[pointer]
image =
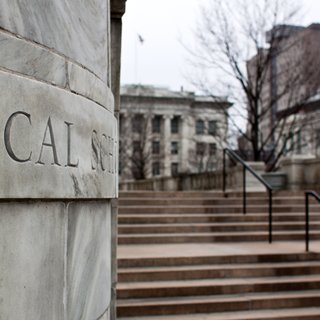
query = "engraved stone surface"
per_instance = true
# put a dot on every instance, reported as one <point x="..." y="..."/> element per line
<point x="77" y="29"/>
<point x="54" y="144"/>
<point x="32" y="251"/>
<point x="89" y="260"/>
<point x="32" y="60"/>
<point x="85" y="83"/>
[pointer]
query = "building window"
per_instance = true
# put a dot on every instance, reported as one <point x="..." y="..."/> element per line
<point x="121" y="120"/>
<point x="174" y="147"/>
<point x="211" y="166"/>
<point x="155" y="147"/>
<point x="120" y="158"/>
<point x="136" y="146"/>
<point x="175" y="124"/>
<point x="174" y="168"/>
<point x="284" y="141"/>
<point x="318" y="138"/>
<point x="212" y="127"/>
<point x="155" y="168"/>
<point x="200" y="127"/>
<point x="290" y="142"/>
<point x="156" y="124"/>
<point x="212" y="149"/>
<point x="200" y="148"/>
<point x="299" y="144"/>
<point x="137" y="122"/>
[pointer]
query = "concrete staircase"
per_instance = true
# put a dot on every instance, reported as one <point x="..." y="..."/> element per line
<point x="166" y="217"/>
<point x="194" y="255"/>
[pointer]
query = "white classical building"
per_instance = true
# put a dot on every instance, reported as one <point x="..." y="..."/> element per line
<point x="164" y="132"/>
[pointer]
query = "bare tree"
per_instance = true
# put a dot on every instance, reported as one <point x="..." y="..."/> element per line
<point x="207" y="153"/>
<point x="266" y="66"/>
<point x="140" y="149"/>
<point x="135" y="147"/>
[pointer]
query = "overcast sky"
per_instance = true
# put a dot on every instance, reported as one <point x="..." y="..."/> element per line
<point x="159" y="58"/>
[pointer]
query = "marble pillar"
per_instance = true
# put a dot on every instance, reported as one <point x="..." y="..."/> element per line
<point x="184" y="154"/>
<point x="167" y="144"/>
<point x="59" y="160"/>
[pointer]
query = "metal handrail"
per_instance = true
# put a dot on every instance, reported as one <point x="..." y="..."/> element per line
<point x="317" y="197"/>
<point x="245" y="166"/>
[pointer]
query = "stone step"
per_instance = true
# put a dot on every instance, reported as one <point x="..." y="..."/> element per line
<point x="214" y="209"/>
<point x="311" y="313"/>
<point x="205" y="201"/>
<point x="208" y="217"/>
<point x="208" y="194"/>
<point x="162" y="289"/>
<point x="215" y="237"/>
<point x="261" y="285"/>
<point x="198" y="260"/>
<point x="212" y="227"/>
<point x="176" y="194"/>
<point x="234" y="259"/>
<point x="223" y="271"/>
<point x="217" y="304"/>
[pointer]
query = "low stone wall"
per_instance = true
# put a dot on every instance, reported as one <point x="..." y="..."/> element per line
<point x="302" y="173"/>
<point x="295" y="173"/>
<point x="195" y="181"/>
<point x="201" y="181"/>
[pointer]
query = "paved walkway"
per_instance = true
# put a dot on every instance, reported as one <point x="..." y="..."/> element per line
<point x="208" y="249"/>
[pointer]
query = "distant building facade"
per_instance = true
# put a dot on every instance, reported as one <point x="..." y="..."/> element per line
<point x="165" y="133"/>
<point x="291" y="96"/>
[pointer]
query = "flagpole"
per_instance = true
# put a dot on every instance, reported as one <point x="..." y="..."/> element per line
<point x="136" y="61"/>
<point x="139" y="40"/>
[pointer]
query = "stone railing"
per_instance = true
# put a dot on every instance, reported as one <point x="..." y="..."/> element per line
<point x="295" y="173"/>
<point x="196" y="181"/>
<point x="200" y="181"/>
<point x="302" y="172"/>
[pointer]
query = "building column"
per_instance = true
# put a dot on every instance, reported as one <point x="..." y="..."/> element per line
<point x="167" y="145"/>
<point x="117" y="9"/>
<point x="185" y="141"/>
<point x="147" y="144"/>
<point x="125" y="137"/>
<point x="59" y="158"/>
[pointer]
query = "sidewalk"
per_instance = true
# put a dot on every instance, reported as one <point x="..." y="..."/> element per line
<point x="208" y="249"/>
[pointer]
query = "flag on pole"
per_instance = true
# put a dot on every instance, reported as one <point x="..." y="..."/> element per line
<point x="141" y="40"/>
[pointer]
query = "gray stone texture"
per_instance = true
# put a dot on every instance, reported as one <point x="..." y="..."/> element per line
<point x="55" y="260"/>
<point x="32" y="252"/>
<point x="55" y="255"/>
<point x="76" y="29"/>
<point x="91" y="172"/>
<point x="88" y="85"/>
<point x="89" y="260"/>
<point x="31" y="59"/>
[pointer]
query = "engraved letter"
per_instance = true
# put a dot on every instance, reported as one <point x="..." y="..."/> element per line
<point x="7" y="132"/>
<point x="104" y="152"/>
<point x="69" y="162"/>
<point x="111" y="143"/>
<point x="50" y="144"/>
<point x="95" y="150"/>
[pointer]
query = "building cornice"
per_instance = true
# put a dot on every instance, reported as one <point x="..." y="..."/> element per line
<point x="118" y="8"/>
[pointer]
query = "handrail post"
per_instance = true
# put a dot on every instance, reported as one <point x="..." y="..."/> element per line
<point x="245" y="169"/>
<point x="270" y="215"/>
<point x="307" y="220"/>
<point x="224" y="172"/>
<point x="244" y="191"/>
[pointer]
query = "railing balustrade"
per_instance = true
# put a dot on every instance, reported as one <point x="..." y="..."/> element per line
<point x="245" y="166"/>
<point x="317" y="197"/>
